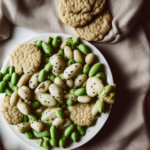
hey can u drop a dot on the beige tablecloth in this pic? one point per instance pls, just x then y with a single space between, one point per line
129 59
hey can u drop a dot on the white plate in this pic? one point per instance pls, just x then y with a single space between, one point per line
91 131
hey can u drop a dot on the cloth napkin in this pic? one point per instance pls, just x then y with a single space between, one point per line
127 51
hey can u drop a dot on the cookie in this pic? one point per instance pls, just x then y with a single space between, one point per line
81 114
11 114
80 18
26 58
97 29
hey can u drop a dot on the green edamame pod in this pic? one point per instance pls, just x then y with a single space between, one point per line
75 136
53 142
80 130
61 52
39 44
29 134
42 75
86 69
56 42
63 142
59 114
7 77
35 104
83 48
44 133
71 61
53 132
5 71
32 117
8 92
80 91
69 130
49 41
45 143
69 102
2 86
14 78
51 77
48 67
95 69
12 87
25 118
11 70
101 75
47 48
62 76
1 76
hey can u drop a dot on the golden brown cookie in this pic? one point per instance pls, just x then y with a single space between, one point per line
26 58
97 29
81 114
11 114
80 18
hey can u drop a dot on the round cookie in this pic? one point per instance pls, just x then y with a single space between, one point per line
26 58
81 114
11 114
80 18
97 29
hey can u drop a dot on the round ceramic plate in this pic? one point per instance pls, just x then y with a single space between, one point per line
91 131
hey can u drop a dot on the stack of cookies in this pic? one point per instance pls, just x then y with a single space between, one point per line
88 17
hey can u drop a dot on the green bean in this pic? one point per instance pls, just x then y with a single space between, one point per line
80 130
45 143
47 48
1 76
83 48
100 106
49 41
61 52
69 130
86 69
101 75
71 61
48 67
95 69
62 76
35 104
2 86
29 134
53 142
69 102
56 42
42 75
44 133
72 91
39 44
11 70
108 89
12 87
51 77
14 78
53 132
59 114
32 117
6 71
80 91
63 142
75 136
8 92
7 77
25 118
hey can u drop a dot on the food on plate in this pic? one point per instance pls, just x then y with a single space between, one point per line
97 29
10 113
61 97
26 58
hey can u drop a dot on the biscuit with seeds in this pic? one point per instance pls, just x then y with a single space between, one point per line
80 18
11 114
26 58
81 114
97 29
